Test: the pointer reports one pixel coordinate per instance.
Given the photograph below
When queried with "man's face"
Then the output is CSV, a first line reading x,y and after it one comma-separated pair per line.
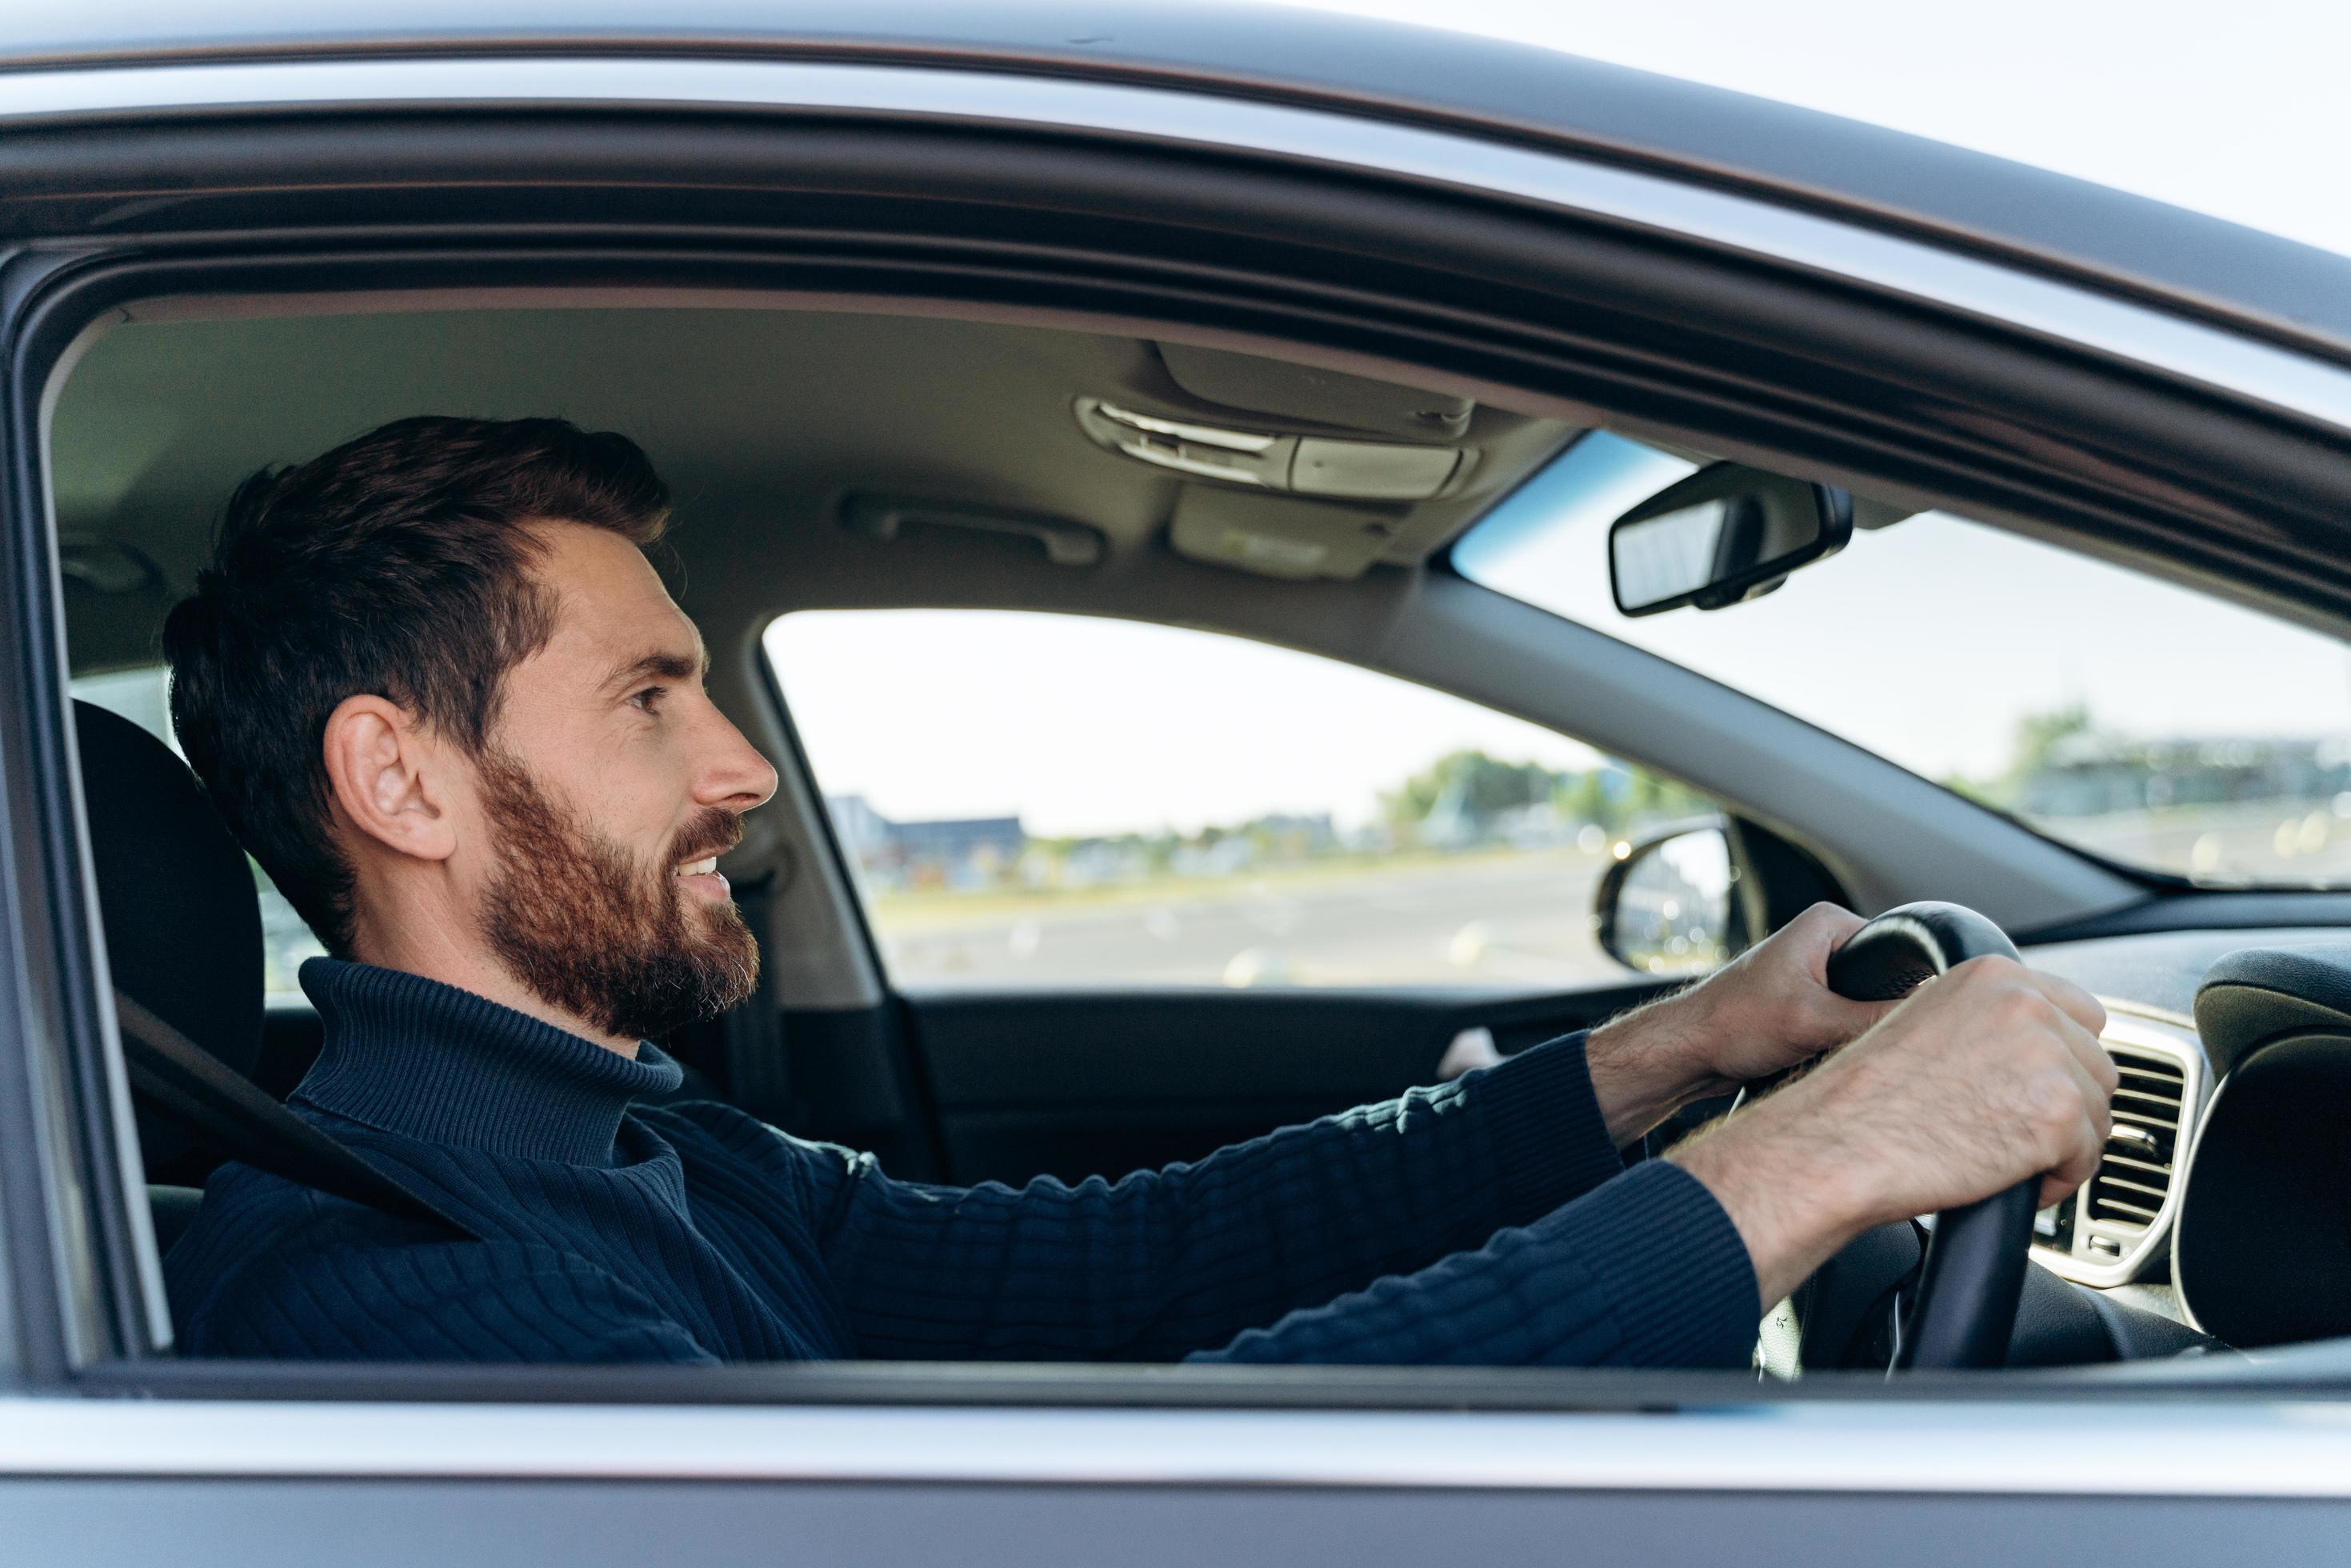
x,y
611,786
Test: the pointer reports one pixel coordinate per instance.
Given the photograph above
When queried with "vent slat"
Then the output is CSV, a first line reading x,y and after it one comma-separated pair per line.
x,y
2109,1182
2127,1192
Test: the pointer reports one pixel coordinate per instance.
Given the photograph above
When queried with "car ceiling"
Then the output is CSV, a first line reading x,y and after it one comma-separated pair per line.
x,y
767,423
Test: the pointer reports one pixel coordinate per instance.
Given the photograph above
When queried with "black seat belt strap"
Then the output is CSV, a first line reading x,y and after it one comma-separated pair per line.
x,y
180,1078
758,1071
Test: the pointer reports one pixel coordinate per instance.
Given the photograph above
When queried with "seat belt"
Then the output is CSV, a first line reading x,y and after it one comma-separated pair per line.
x,y
758,1071
234,1117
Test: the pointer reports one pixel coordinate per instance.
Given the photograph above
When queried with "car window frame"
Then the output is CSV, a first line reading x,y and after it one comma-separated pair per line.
x,y
89,1035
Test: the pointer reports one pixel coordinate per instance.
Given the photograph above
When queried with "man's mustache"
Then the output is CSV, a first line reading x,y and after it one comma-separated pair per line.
x,y
712,833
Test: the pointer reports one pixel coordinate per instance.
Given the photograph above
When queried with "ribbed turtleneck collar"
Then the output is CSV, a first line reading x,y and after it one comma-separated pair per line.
x,y
415,1057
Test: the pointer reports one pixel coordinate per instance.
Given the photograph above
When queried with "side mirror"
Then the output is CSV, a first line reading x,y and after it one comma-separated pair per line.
x,y
1664,906
1725,534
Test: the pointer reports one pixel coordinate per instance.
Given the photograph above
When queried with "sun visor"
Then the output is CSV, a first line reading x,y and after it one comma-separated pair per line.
x,y
1305,392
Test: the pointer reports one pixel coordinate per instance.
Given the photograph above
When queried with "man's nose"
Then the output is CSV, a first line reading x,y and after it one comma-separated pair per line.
x,y
736,777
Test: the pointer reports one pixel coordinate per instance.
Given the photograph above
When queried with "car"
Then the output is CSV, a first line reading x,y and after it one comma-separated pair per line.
x,y
1182,500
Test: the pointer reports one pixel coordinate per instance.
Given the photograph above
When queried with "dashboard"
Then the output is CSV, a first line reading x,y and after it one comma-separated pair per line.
x,y
2116,1228
2221,1200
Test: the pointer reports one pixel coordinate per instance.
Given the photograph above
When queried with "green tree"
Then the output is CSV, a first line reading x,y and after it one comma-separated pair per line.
x,y
1474,785
2038,734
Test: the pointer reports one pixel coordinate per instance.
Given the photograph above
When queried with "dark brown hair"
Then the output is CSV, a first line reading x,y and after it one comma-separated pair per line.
x,y
397,564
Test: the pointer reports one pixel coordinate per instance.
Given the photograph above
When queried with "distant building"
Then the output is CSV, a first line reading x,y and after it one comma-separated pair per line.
x,y
2090,775
961,852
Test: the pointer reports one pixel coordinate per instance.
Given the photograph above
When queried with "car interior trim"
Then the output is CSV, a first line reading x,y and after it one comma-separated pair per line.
x,y
81,1249
2277,378
2132,1035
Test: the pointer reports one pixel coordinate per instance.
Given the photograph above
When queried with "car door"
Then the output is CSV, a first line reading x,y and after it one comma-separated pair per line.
x,y
1788,286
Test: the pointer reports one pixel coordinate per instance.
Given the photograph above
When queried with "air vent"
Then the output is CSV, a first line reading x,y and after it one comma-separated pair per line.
x,y
2134,1175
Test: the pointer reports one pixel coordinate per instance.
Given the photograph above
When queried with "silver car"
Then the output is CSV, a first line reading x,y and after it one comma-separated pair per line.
x,y
1150,414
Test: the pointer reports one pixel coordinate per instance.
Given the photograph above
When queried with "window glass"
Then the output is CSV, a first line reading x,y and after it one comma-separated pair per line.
x,y
142,696
1037,799
2135,718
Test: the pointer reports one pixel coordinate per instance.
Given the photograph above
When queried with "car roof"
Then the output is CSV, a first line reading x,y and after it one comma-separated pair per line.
x,y
1861,172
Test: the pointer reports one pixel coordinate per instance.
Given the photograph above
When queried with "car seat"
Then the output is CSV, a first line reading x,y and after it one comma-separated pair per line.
x,y
183,921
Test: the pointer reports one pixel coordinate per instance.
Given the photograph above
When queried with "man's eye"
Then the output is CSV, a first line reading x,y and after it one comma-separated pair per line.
x,y
649,699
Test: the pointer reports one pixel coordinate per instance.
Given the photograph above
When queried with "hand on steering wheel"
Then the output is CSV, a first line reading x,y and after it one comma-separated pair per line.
x,y
1984,1097
1973,1277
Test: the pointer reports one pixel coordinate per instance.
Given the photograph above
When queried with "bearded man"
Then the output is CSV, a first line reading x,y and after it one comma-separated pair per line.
x,y
438,690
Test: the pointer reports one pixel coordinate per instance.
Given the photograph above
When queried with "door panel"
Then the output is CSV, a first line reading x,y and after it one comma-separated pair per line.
x,y
1101,1084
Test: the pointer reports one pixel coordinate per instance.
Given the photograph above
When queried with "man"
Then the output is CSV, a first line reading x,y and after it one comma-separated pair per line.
x,y
439,693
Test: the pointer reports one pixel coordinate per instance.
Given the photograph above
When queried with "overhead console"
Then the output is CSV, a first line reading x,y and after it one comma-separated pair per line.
x,y
1294,470
2262,1249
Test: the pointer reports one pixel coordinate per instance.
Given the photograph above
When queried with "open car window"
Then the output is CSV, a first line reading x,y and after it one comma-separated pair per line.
x,y
1037,799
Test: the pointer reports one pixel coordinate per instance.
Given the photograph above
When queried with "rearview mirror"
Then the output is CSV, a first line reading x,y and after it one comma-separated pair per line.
x,y
1725,534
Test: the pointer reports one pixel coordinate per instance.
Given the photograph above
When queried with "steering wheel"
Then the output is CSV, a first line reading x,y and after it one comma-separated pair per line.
x,y
1973,1275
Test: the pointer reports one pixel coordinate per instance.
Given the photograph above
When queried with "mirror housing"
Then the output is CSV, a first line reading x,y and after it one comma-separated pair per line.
x,y
1725,534
1664,906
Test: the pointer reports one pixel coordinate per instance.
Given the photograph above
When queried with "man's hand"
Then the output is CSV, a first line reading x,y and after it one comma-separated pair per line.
x,y
1767,1009
1983,1077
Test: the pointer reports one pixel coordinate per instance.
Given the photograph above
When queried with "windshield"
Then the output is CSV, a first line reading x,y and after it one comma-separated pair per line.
x,y
2131,718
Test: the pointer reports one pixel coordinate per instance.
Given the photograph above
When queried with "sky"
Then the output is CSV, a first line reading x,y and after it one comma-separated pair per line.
x,y
2236,110
1080,726
2233,111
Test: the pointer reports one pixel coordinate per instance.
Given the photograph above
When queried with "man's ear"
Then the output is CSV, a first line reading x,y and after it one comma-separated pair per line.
x,y
382,771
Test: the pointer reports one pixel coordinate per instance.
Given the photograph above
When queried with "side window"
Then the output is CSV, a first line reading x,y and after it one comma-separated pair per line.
x,y
144,696
1040,800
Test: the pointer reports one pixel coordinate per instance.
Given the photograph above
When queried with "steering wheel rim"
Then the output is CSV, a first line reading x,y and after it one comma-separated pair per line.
x,y
1973,1276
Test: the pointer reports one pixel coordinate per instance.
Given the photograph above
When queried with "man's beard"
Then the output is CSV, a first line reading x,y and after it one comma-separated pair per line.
x,y
588,929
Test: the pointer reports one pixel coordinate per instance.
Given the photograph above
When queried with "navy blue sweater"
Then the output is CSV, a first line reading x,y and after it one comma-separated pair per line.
x,y
1484,1221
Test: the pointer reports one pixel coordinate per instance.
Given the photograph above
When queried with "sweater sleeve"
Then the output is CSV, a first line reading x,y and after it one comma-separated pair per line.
x,y
1167,1262
457,1300
1647,1271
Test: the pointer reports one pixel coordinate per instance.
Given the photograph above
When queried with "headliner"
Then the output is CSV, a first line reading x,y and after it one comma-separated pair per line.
x,y
763,420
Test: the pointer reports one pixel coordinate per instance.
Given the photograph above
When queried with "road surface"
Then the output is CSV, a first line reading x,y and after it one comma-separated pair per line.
x,y
1524,919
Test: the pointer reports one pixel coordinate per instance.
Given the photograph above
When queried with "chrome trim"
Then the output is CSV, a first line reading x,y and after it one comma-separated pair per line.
x,y
2172,1449
2174,1039
2064,312
1206,434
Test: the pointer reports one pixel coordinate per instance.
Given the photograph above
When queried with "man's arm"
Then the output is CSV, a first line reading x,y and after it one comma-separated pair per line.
x,y
2003,1066
437,1300
1646,1272
1672,1264
1165,1262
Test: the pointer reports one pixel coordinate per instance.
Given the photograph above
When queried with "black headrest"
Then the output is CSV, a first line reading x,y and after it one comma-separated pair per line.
x,y
175,890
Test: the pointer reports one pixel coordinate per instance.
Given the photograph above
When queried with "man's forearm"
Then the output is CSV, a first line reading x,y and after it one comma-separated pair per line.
x,y
1649,1064
1644,1271
1782,1193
